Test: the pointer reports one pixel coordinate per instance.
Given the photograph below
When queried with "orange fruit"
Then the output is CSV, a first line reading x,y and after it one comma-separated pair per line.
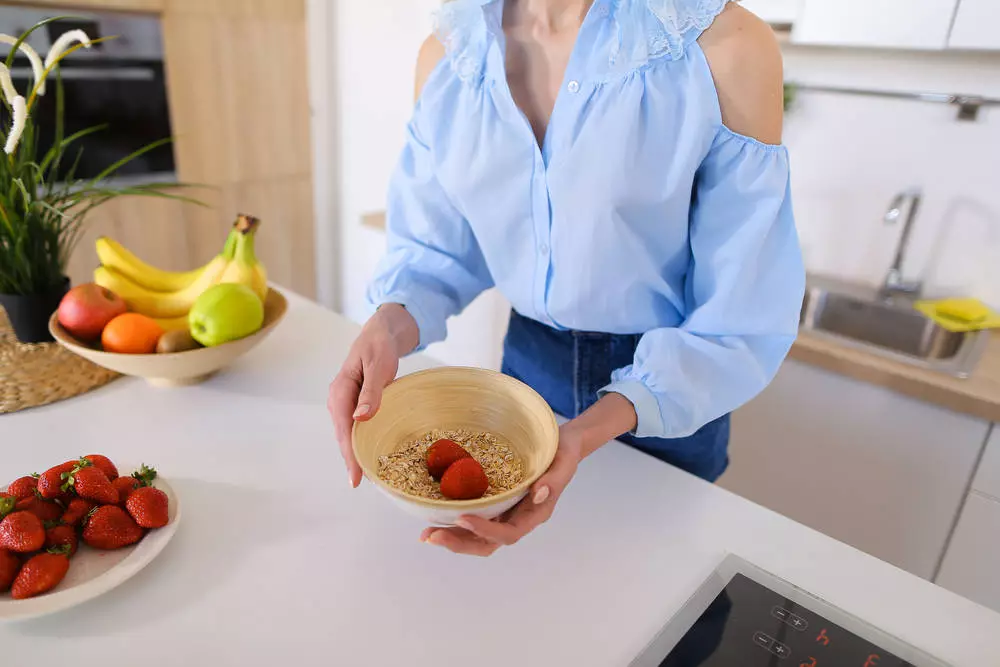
x,y
131,333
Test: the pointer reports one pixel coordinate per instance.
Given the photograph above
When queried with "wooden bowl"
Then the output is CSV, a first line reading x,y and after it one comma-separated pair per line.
x,y
449,398
178,368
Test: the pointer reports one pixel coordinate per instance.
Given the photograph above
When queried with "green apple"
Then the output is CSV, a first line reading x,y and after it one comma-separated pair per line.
x,y
225,312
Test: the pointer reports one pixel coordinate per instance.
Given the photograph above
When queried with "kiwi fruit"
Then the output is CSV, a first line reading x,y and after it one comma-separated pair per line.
x,y
176,341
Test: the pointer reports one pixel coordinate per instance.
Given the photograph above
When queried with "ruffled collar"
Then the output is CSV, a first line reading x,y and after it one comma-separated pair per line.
x,y
645,30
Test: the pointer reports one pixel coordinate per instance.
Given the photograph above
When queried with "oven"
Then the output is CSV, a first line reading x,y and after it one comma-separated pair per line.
x,y
119,83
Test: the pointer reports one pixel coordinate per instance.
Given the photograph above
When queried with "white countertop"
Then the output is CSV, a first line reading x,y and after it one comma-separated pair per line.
x,y
278,562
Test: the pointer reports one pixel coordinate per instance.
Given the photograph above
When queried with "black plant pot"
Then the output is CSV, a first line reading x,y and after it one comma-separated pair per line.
x,y
29,313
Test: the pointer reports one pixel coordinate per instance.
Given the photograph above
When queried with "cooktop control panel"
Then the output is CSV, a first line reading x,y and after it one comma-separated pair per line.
x,y
745,617
752,626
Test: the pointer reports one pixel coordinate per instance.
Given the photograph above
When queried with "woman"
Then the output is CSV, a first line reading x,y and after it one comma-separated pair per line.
x,y
615,168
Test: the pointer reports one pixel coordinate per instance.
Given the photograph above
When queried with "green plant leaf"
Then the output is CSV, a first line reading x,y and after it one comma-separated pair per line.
x,y
56,149
128,158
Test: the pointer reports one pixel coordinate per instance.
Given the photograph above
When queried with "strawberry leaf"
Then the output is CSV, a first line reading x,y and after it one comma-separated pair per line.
x,y
86,518
61,550
70,481
145,475
52,524
7,504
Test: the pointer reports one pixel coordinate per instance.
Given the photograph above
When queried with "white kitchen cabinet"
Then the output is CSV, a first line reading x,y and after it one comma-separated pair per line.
x,y
775,12
970,566
976,25
878,470
902,24
987,479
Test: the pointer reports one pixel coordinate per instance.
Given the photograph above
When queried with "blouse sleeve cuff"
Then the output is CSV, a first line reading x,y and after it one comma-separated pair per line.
x,y
430,329
649,423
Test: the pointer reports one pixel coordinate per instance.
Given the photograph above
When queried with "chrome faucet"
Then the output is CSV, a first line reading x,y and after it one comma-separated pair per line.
x,y
894,283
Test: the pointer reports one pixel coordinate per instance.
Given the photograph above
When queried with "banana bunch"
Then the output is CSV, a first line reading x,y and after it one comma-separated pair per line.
x,y
167,296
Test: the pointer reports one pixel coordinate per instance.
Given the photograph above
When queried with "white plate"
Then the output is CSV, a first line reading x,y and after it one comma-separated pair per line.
x,y
93,572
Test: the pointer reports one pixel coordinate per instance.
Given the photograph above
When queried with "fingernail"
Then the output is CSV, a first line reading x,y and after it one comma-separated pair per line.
x,y
541,495
362,410
464,523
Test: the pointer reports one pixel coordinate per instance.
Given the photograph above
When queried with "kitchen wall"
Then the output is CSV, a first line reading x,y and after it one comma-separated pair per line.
x,y
850,156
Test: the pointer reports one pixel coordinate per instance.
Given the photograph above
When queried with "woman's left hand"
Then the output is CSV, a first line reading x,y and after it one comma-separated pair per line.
x,y
480,537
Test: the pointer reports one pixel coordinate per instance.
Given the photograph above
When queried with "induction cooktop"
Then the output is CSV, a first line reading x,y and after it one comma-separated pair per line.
x,y
743,616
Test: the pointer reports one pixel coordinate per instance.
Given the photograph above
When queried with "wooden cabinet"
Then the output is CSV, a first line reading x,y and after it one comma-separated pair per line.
x,y
970,566
976,25
905,24
775,12
880,471
239,107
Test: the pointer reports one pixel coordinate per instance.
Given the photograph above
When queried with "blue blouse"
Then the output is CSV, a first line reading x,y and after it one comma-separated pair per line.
x,y
640,213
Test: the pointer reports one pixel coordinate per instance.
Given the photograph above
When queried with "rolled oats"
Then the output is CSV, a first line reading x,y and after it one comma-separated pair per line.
x,y
406,468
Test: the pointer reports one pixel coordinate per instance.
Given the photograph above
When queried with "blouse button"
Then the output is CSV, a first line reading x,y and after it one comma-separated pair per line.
x,y
573,87
543,248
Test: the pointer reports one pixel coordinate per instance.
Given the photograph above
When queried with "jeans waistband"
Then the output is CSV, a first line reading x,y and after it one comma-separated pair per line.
x,y
570,334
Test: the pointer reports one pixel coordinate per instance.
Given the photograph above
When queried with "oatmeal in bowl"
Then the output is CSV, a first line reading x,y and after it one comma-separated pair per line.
x,y
453,441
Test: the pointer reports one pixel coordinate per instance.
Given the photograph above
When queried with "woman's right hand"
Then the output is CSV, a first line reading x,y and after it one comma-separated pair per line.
x,y
356,392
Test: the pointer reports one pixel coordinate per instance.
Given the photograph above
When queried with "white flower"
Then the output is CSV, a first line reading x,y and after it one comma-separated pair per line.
x,y
7,84
17,127
36,63
64,42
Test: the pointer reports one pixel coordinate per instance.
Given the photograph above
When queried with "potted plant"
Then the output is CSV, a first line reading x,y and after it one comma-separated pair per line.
x,y
43,206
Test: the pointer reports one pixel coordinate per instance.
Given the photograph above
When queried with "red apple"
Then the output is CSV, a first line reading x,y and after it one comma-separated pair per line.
x,y
86,309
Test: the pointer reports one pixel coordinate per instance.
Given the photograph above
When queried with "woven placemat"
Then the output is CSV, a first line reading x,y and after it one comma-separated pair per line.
x,y
34,375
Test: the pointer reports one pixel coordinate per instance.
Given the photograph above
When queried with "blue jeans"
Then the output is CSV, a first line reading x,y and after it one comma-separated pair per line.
x,y
568,368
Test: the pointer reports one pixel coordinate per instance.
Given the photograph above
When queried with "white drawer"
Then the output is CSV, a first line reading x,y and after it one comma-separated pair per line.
x,y
987,479
973,557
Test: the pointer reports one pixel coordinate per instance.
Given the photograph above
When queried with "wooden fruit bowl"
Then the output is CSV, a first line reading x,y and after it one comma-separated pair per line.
x,y
178,368
449,398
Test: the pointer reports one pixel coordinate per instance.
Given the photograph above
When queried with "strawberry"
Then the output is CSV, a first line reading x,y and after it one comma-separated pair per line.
x,y
59,534
110,527
9,566
464,479
90,483
144,476
22,532
23,487
76,510
44,509
148,506
105,464
40,574
442,454
125,486
50,482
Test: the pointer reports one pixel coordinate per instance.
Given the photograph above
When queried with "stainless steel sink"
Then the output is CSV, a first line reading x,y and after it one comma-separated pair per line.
x,y
889,326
